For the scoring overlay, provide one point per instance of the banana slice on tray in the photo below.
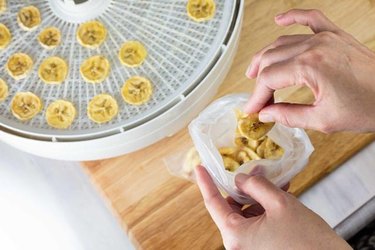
(26, 105)
(95, 69)
(3, 6)
(3, 90)
(201, 10)
(91, 34)
(53, 70)
(29, 18)
(50, 38)
(137, 90)
(132, 54)
(250, 127)
(19, 65)
(102, 108)
(60, 114)
(5, 36)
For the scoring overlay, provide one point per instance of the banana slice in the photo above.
(60, 114)
(230, 164)
(3, 90)
(272, 151)
(26, 105)
(3, 6)
(95, 69)
(19, 65)
(192, 160)
(242, 157)
(29, 18)
(228, 151)
(246, 142)
(250, 127)
(102, 108)
(132, 54)
(261, 148)
(201, 10)
(50, 38)
(251, 153)
(5, 36)
(91, 34)
(137, 90)
(53, 70)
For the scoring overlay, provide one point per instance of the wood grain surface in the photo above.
(159, 211)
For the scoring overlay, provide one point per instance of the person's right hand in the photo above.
(338, 69)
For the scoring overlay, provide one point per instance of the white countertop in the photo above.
(46, 204)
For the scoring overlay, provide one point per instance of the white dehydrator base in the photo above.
(146, 134)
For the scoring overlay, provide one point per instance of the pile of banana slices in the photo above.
(251, 143)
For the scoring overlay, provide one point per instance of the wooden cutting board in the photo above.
(159, 211)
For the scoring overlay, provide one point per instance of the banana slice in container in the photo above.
(201, 10)
(29, 18)
(53, 70)
(137, 90)
(19, 65)
(132, 54)
(250, 127)
(60, 114)
(3, 6)
(243, 157)
(5, 36)
(230, 164)
(95, 69)
(102, 108)
(50, 38)
(3, 90)
(91, 34)
(26, 105)
(272, 151)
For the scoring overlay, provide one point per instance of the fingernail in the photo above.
(279, 16)
(264, 117)
(248, 71)
(241, 178)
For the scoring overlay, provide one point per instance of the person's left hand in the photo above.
(279, 221)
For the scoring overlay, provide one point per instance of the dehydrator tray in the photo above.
(180, 52)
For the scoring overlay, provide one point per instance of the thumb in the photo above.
(290, 115)
(261, 190)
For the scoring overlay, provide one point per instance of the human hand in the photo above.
(279, 221)
(333, 64)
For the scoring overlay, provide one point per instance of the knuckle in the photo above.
(315, 13)
(280, 201)
(280, 40)
(231, 222)
(326, 36)
(325, 128)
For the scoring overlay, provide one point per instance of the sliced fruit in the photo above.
(29, 18)
(5, 36)
(53, 70)
(26, 105)
(201, 10)
(60, 114)
(91, 34)
(137, 90)
(230, 164)
(102, 108)
(132, 54)
(250, 127)
(95, 69)
(272, 151)
(50, 38)
(19, 65)
(3, 90)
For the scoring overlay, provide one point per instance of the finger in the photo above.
(261, 190)
(216, 205)
(282, 53)
(253, 210)
(314, 19)
(276, 76)
(253, 69)
(290, 115)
